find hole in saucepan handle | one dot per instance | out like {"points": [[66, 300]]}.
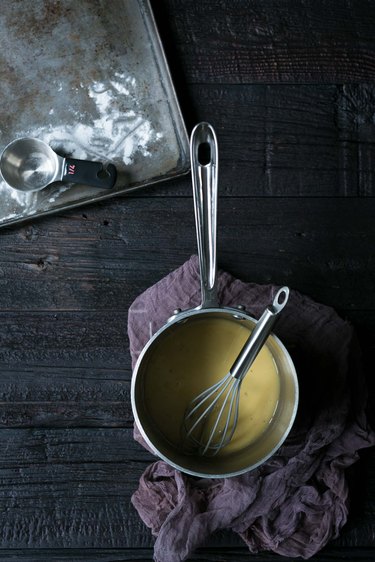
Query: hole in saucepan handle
{"points": [[204, 153]]}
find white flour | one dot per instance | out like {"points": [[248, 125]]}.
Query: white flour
{"points": [[115, 134]]}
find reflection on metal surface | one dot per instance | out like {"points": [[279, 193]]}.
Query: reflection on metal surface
{"points": [[90, 79]]}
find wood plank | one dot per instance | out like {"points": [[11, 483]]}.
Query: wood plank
{"points": [[65, 397], [329, 554], [71, 489], [285, 140], [253, 41], [320, 246], [89, 340]]}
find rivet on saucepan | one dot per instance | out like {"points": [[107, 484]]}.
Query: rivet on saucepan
{"points": [[174, 314], [241, 308]]}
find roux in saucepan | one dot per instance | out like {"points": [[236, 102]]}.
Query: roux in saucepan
{"points": [[195, 355]]}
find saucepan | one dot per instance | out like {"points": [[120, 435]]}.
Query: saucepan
{"points": [[173, 365], [29, 164]]}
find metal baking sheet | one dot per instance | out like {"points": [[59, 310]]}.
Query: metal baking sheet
{"points": [[89, 78]]}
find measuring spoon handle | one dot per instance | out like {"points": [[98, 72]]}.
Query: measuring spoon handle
{"points": [[89, 173]]}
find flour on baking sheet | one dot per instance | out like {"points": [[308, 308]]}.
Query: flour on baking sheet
{"points": [[121, 132], [117, 130]]}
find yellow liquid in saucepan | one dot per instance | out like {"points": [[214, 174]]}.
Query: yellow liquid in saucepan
{"points": [[194, 356]]}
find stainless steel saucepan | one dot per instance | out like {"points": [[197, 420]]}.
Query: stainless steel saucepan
{"points": [[186, 344], [29, 164]]}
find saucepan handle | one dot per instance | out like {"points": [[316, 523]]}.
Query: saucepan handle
{"points": [[89, 173], [204, 170]]}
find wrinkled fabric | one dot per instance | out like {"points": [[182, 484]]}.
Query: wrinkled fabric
{"points": [[297, 501]]}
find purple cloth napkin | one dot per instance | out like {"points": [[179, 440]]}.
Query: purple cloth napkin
{"points": [[298, 500]]}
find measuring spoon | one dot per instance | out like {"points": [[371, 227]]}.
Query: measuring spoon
{"points": [[30, 164]]}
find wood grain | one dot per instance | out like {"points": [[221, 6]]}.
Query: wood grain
{"points": [[274, 41], [146, 555], [53, 484]]}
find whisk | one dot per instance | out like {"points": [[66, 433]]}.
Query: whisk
{"points": [[207, 431]]}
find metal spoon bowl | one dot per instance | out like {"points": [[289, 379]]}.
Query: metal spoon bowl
{"points": [[29, 164]]}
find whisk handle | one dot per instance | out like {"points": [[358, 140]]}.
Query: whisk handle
{"points": [[258, 336]]}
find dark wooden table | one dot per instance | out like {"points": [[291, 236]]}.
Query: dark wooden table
{"points": [[289, 87]]}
